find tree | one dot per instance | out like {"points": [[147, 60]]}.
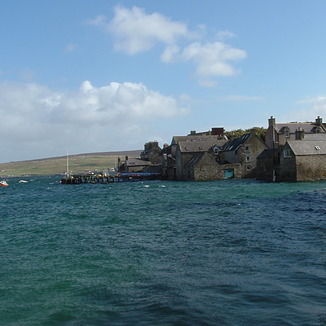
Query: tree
{"points": [[260, 131]]}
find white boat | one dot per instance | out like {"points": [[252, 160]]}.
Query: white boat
{"points": [[23, 181], [4, 183]]}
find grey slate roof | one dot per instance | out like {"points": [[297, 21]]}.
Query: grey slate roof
{"points": [[194, 138], [308, 147], [198, 146], [234, 144], [293, 126], [318, 136], [137, 162]]}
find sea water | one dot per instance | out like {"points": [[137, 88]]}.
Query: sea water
{"points": [[233, 252]]}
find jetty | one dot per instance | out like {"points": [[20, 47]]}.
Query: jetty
{"points": [[106, 178]]}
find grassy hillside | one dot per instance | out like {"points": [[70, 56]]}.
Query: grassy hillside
{"points": [[58, 165]]}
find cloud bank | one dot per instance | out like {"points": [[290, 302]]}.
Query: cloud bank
{"points": [[37, 119], [134, 31]]}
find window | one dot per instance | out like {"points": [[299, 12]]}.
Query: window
{"points": [[286, 131], [247, 158], [248, 167], [287, 152], [247, 148]]}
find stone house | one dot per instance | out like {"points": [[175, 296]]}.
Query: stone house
{"points": [[205, 167], [300, 159], [151, 153], [202, 158], [278, 134], [150, 160], [243, 151], [183, 148], [134, 165], [187, 153]]}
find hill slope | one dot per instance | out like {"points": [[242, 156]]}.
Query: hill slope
{"points": [[58, 165]]}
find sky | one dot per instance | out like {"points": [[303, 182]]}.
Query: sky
{"points": [[83, 76]]}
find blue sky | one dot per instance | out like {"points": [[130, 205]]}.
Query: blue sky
{"points": [[93, 76]]}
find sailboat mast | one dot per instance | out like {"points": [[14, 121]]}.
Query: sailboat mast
{"points": [[67, 165]]}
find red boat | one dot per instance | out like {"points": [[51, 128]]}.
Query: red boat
{"points": [[4, 183]]}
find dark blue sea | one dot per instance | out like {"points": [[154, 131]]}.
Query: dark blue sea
{"points": [[233, 252]]}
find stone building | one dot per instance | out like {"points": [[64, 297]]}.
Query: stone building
{"points": [[152, 153], [212, 157], [301, 158], [206, 167], [188, 153], [134, 165], [278, 134], [243, 151], [183, 148], [150, 160]]}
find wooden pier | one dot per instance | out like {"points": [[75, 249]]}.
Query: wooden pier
{"points": [[109, 178]]}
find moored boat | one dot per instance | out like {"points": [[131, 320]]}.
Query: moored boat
{"points": [[4, 183]]}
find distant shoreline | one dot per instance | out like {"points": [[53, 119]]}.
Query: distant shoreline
{"points": [[58, 165], [114, 153]]}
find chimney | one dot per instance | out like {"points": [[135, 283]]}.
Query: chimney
{"points": [[217, 131], [271, 122], [299, 134], [319, 121]]}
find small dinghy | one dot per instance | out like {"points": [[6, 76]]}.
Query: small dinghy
{"points": [[4, 183]]}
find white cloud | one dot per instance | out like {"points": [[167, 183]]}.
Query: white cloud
{"points": [[313, 107], [223, 35], [212, 60], [135, 31], [41, 122]]}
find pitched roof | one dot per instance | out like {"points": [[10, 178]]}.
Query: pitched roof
{"points": [[137, 162], [198, 146], [196, 158], [308, 147], [318, 136], [195, 138], [235, 144], [308, 127]]}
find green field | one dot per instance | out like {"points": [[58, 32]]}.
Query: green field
{"points": [[58, 165]]}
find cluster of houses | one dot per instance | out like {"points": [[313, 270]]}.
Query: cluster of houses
{"points": [[289, 152]]}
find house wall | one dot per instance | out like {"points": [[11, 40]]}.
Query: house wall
{"points": [[208, 169], [271, 137], [248, 156], [264, 169], [311, 168], [230, 156], [267, 166], [181, 160], [287, 169]]}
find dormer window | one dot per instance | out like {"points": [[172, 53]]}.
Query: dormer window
{"points": [[286, 131]]}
